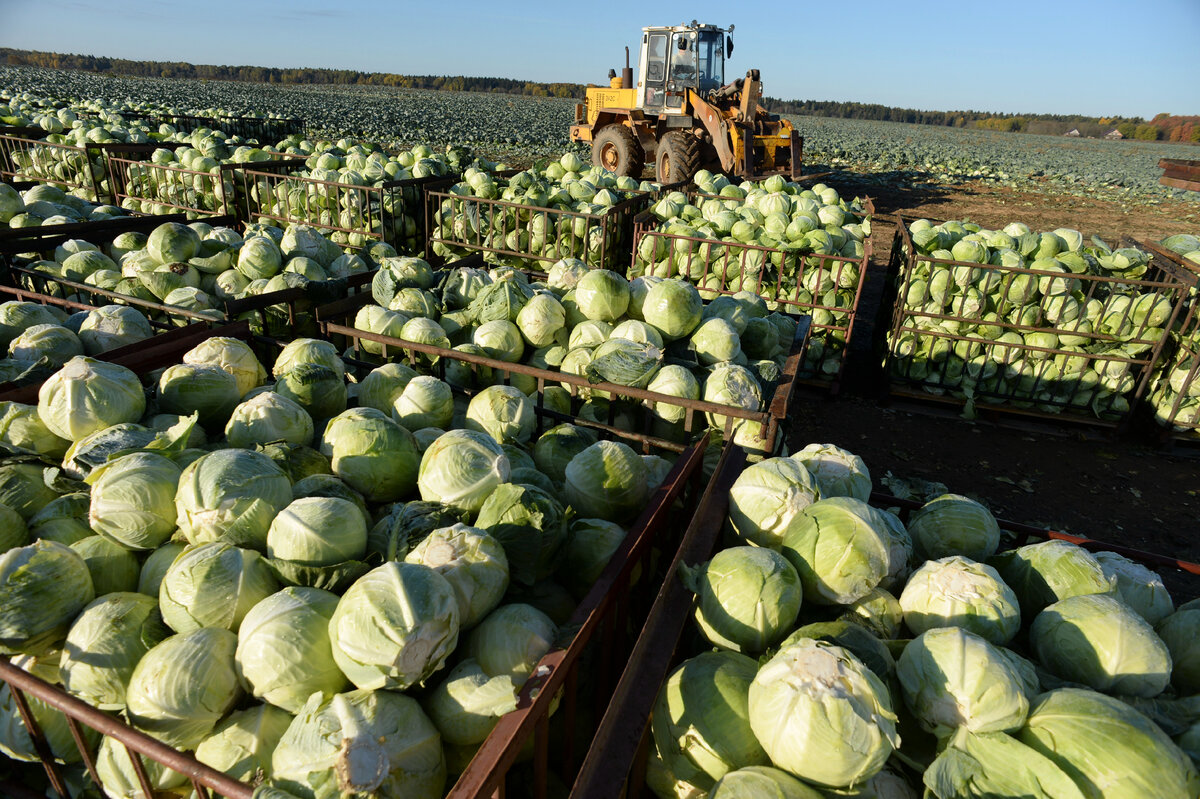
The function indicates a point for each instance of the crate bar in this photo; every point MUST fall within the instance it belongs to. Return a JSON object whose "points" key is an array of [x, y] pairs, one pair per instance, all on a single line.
{"points": [[617, 756], [1167, 282], [330, 317], [798, 299], [21, 682], [503, 218], [1180, 174], [17, 162], [486, 773], [619, 738], [294, 301]]}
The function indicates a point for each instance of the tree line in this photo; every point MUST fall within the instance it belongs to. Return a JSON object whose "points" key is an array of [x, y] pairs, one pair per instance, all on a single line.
{"points": [[1164, 127]]}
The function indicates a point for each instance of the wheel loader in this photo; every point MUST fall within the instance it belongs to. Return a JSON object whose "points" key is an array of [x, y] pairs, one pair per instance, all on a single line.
{"points": [[682, 116]]}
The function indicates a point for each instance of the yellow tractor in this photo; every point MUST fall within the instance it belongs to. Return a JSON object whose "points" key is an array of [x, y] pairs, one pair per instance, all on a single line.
{"points": [[682, 114]]}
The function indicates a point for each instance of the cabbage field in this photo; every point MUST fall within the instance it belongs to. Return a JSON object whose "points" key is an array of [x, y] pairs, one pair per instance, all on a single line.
{"points": [[513, 127]]}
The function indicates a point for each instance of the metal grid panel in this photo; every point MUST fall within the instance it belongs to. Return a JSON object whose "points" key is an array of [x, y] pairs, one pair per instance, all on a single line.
{"points": [[531, 234], [967, 354]]}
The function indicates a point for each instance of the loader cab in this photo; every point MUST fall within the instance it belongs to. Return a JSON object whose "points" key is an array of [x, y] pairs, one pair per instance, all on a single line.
{"points": [[677, 59]]}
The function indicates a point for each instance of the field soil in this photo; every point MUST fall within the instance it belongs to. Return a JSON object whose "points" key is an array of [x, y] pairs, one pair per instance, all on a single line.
{"points": [[1076, 479]]}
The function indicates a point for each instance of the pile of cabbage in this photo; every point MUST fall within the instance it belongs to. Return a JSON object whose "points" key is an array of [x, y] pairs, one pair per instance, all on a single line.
{"points": [[1175, 393], [38, 340], [1028, 328], [395, 213], [842, 652], [650, 333], [198, 267], [543, 219], [791, 229], [321, 584], [47, 204]]}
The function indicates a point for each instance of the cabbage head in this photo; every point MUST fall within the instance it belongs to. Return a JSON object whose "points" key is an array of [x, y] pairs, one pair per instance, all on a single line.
{"points": [[133, 500], [1043, 573], [372, 454], [231, 495], [241, 746], [958, 592], [88, 395], [267, 417], [104, 645], [954, 525], [182, 687], [530, 524], [1098, 641], [461, 469], [701, 721], [15, 740], [747, 598], [840, 549], [602, 294], [395, 626], [472, 561], [213, 585], [608, 480], [466, 705], [363, 743], [234, 356], [555, 448], [424, 402], [1137, 586], [511, 640], [284, 654], [43, 587], [503, 412], [766, 499], [22, 430], [838, 472], [822, 715], [1106, 747], [952, 679], [673, 307], [589, 547], [1181, 633]]}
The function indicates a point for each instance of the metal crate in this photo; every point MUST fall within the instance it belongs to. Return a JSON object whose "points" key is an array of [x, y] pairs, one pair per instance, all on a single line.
{"points": [[25, 158], [501, 229], [616, 763], [145, 187], [337, 323], [1174, 393], [349, 214], [783, 278], [1021, 380], [264, 130]]}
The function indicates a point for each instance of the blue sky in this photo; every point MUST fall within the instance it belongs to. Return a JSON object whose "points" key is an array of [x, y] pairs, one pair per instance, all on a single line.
{"points": [[1099, 57]]}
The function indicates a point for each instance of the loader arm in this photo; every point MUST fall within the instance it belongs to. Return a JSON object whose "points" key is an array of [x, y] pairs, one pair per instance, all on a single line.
{"points": [[717, 127]]}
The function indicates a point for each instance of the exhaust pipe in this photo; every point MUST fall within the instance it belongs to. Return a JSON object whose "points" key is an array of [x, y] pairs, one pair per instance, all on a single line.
{"points": [[627, 72]]}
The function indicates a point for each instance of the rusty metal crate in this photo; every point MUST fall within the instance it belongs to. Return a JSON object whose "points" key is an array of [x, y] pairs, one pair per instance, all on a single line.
{"points": [[1174, 394], [568, 685], [279, 314], [29, 158], [615, 764], [349, 214], [140, 185], [337, 324], [783, 278], [264, 130], [505, 231], [26, 391], [1016, 379]]}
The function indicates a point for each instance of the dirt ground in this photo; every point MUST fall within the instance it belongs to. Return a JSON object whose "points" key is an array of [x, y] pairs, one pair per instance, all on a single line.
{"points": [[1083, 481]]}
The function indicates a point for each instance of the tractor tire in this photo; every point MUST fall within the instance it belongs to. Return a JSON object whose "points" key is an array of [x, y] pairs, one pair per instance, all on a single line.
{"points": [[678, 157], [616, 149]]}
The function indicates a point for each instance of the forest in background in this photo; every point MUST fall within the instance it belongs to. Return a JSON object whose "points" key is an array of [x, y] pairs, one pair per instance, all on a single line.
{"points": [[1163, 127]]}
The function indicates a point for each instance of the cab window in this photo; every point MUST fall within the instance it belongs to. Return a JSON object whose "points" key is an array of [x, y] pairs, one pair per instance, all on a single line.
{"points": [[656, 58]]}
